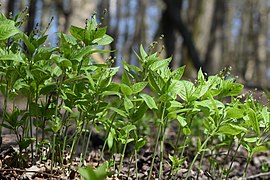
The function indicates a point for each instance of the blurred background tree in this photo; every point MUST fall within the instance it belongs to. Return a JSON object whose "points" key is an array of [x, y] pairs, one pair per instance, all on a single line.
{"points": [[211, 34]]}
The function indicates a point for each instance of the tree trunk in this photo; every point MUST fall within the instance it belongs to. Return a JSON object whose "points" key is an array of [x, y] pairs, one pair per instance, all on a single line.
{"points": [[213, 56], [262, 44]]}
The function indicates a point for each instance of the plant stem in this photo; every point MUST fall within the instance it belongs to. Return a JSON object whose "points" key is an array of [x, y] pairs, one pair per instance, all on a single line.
{"points": [[197, 154], [232, 160], [53, 152], [123, 155], [154, 155]]}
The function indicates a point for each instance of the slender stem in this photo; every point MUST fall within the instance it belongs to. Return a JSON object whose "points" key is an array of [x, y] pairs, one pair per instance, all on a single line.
{"points": [[53, 152], [155, 153], [107, 134], [123, 155], [234, 156], [136, 164], [246, 167], [197, 154], [161, 131], [87, 144]]}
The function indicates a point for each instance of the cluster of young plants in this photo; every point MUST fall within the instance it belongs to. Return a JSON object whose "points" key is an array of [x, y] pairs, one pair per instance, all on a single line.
{"points": [[65, 91]]}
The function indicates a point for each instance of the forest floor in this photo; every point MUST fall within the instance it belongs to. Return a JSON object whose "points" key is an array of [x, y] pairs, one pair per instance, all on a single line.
{"points": [[257, 169]]}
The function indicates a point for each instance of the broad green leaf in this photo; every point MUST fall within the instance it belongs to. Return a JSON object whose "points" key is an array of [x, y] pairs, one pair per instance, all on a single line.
{"points": [[101, 171], [11, 57], [128, 104], [125, 78], [201, 76], [105, 40], [186, 89], [265, 115], [110, 139], [254, 120], [118, 111], [186, 131], [126, 90], [81, 53], [234, 113], [29, 45], [140, 143], [178, 73], [231, 129], [143, 53], [251, 139], [140, 111], [182, 121], [128, 128], [77, 32], [149, 101], [87, 173], [259, 149], [138, 87], [235, 90], [7, 29], [160, 63]]}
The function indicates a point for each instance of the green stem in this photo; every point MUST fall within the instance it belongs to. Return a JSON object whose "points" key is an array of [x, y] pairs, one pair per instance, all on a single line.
{"points": [[107, 134], [197, 154], [87, 144], [136, 164], [53, 152], [234, 156], [123, 155], [155, 153], [161, 131]]}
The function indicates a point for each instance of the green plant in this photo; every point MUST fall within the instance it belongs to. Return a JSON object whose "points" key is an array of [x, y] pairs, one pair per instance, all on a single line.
{"points": [[66, 91]]}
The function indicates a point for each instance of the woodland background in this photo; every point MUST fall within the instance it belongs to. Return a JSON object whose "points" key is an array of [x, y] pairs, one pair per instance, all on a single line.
{"points": [[212, 34]]}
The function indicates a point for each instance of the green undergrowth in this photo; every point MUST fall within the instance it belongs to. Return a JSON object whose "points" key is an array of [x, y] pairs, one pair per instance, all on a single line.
{"points": [[64, 87]]}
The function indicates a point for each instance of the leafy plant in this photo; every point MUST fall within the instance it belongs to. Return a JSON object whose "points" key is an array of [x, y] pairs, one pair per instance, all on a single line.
{"points": [[69, 97]]}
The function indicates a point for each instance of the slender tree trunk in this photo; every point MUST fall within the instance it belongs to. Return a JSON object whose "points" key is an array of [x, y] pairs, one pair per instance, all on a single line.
{"points": [[262, 44], [32, 15], [213, 56]]}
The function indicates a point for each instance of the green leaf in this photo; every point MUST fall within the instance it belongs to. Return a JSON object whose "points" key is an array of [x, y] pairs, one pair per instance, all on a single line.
{"points": [[265, 115], [140, 143], [77, 32], [231, 129], [149, 101], [128, 104], [234, 113], [128, 128], [178, 73], [87, 173], [143, 53], [11, 57], [182, 121], [29, 45], [126, 90], [254, 120], [138, 87], [186, 90], [105, 40], [259, 149], [160, 63], [81, 53], [125, 78], [140, 111], [26, 142], [118, 111], [110, 139], [7, 29], [101, 171]]}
